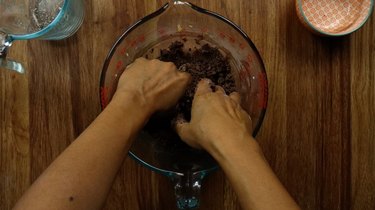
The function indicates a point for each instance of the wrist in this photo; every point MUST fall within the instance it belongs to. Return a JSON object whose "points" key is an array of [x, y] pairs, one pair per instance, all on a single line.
{"points": [[224, 149], [130, 105]]}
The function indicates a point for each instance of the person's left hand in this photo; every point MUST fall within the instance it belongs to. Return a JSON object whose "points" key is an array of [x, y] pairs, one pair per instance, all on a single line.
{"points": [[155, 85]]}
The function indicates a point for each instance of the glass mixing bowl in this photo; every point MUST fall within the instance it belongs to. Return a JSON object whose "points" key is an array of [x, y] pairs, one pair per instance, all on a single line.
{"points": [[36, 19], [179, 20]]}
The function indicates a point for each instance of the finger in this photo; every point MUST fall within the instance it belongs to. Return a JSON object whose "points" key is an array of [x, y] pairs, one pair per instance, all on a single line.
{"points": [[169, 65], [203, 87], [186, 77], [136, 62], [219, 89], [183, 74], [235, 97], [141, 59], [182, 128], [130, 65]]}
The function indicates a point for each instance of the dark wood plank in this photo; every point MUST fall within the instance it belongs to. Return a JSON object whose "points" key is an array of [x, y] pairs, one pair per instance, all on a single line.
{"points": [[362, 59], [14, 131]]}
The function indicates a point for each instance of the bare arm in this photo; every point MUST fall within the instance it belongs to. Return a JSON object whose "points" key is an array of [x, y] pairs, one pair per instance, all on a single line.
{"points": [[220, 126], [81, 177]]}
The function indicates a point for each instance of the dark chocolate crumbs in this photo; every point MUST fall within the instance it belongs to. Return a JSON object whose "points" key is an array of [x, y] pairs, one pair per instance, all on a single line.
{"points": [[205, 62]]}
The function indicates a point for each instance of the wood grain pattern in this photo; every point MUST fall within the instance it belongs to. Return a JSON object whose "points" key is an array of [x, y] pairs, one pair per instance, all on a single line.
{"points": [[14, 133], [362, 118], [318, 134]]}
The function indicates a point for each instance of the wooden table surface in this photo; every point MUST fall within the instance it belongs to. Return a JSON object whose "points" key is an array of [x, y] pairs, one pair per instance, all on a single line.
{"points": [[318, 134]]}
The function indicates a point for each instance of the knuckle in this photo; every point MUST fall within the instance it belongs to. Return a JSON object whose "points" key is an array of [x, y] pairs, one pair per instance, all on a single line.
{"points": [[140, 59], [154, 61], [185, 76], [170, 66]]}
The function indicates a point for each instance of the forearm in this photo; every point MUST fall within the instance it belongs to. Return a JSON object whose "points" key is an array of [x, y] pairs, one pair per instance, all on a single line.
{"points": [[251, 177], [81, 177]]}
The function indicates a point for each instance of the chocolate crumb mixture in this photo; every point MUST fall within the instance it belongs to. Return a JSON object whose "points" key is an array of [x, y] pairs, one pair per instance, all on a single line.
{"points": [[206, 62]]}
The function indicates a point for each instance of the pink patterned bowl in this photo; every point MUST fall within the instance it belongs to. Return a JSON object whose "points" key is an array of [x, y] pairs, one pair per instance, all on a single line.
{"points": [[334, 17]]}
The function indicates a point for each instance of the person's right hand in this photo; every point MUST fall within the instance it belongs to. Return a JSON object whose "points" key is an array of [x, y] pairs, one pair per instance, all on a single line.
{"points": [[217, 120], [157, 85]]}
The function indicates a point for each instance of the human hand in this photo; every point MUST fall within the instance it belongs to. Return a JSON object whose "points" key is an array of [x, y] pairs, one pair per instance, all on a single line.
{"points": [[217, 119], [155, 85], [220, 126]]}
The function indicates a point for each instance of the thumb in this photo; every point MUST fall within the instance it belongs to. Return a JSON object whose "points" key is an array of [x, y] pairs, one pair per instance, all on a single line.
{"points": [[182, 128]]}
